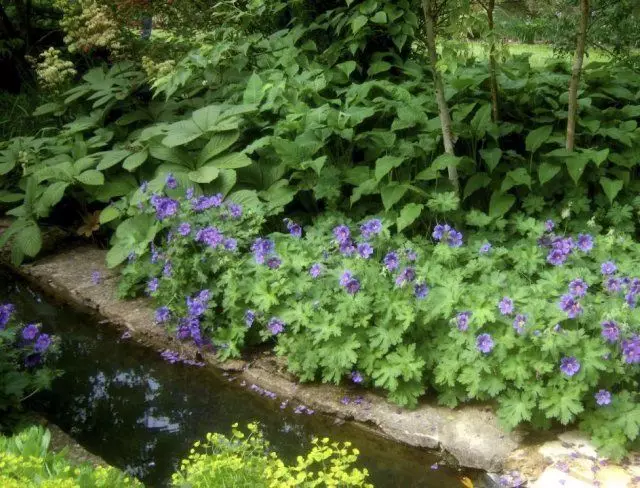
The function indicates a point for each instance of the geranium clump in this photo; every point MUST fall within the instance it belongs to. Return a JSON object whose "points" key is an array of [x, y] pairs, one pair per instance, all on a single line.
{"points": [[437, 314]]}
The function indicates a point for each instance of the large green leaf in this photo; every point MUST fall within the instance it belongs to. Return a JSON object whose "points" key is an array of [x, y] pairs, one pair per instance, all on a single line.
{"points": [[111, 158], [135, 160], [516, 177], [182, 133], [500, 204], [386, 164], [477, 181], [537, 137], [230, 161], [611, 187], [91, 177], [225, 181], [547, 171], [205, 174], [358, 23], [408, 215], [253, 93], [29, 239], [50, 197], [491, 157], [392, 193], [576, 165], [109, 214], [218, 143]]}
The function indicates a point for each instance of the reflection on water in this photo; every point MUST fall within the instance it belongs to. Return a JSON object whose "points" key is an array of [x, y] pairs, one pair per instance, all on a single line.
{"points": [[122, 402]]}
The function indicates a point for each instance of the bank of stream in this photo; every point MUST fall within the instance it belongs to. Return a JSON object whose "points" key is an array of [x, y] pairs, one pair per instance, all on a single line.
{"points": [[124, 403]]}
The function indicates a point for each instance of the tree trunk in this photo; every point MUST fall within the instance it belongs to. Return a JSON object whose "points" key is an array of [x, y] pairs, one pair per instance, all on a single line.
{"points": [[430, 17], [576, 71], [493, 65]]}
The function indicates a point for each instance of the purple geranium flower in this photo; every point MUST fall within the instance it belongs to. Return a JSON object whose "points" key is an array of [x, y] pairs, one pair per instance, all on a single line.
{"points": [[347, 247], [315, 270], [506, 306], [613, 284], [391, 261], [603, 397], [294, 229], [152, 285], [230, 244], [365, 250], [6, 311], [462, 320], [484, 343], [446, 233], [519, 323], [171, 182], [556, 257], [585, 242], [420, 290], [211, 236], [275, 325], [631, 350], [578, 288], [342, 233], [549, 225], [42, 343], [163, 314], [356, 377], [249, 317], [570, 305], [608, 268], [30, 332], [370, 228], [261, 249], [352, 286], [274, 262], [184, 229], [610, 330], [569, 365], [406, 275], [235, 210], [165, 207], [485, 248]]}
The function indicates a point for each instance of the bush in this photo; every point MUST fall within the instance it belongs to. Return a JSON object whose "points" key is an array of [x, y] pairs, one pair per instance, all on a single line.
{"points": [[244, 461], [26, 461], [23, 354]]}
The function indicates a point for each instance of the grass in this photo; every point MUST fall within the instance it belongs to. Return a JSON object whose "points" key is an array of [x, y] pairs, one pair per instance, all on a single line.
{"points": [[540, 53]]}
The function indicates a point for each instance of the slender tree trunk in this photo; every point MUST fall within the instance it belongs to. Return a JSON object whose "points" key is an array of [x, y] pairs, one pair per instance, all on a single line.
{"points": [[493, 65], [576, 71], [430, 16]]}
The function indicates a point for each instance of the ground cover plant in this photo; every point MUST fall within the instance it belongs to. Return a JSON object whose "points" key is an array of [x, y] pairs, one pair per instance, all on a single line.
{"points": [[349, 182], [544, 321], [26, 460], [241, 460]]}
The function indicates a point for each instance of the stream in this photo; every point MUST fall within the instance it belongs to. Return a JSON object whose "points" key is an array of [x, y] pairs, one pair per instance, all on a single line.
{"points": [[124, 403]]}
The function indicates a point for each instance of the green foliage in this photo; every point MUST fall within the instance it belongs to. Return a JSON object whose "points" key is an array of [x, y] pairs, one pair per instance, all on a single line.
{"points": [[27, 461], [400, 339], [243, 460], [23, 370]]}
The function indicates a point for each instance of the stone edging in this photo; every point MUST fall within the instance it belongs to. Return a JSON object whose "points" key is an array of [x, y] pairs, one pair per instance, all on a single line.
{"points": [[470, 434]]}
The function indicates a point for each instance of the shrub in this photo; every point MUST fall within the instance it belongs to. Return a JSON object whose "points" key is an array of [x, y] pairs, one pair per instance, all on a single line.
{"points": [[23, 354], [243, 460], [26, 461]]}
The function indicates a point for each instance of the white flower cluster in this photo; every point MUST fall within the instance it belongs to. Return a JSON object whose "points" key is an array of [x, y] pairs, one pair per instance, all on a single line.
{"points": [[52, 71], [155, 69], [89, 25]]}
